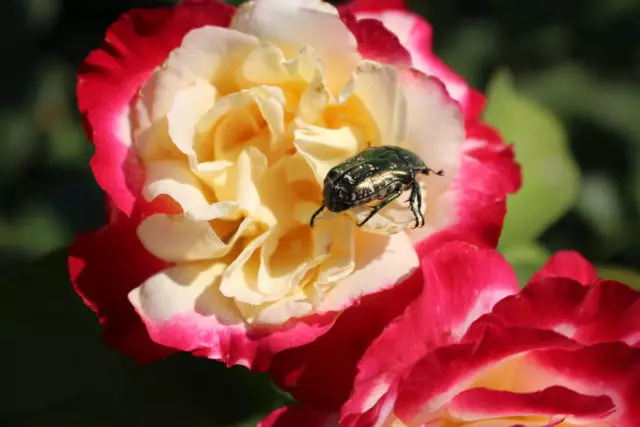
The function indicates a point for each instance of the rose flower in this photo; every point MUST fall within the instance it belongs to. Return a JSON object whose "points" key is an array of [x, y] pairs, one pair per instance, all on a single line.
{"points": [[214, 129], [473, 351]]}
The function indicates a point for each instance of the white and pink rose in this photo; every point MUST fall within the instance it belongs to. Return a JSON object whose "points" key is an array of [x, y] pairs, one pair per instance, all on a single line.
{"points": [[214, 127], [473, 351]]}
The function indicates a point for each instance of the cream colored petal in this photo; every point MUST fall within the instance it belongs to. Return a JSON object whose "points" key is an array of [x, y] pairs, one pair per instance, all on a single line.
{"points": [[264, 65], [189, 106], [294, 24], [325, 148], [380, 262], [342, 252], [435, 127], [212, 54], [240, 279], [251, 165], [236, 120], [178, 238], [377, 87], [435, 132], [174, 179], [283, 261], [182, 289], [208, 54], [284, 309]]}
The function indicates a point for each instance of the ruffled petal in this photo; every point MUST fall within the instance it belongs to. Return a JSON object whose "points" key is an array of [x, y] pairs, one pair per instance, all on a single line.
{"points": [[380, 262], [183, 308], [568, 264], [111, 76], [611, 369], [606, 311], [415, 35], [294, 24]]}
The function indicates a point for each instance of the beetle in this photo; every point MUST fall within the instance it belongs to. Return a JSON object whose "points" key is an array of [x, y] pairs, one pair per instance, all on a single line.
{"points": [[376, 173]]}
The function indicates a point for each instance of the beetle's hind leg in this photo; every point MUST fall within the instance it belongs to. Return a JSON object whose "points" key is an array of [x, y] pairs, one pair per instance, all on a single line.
{"points": [[416, 197], [313, 217], [390, 198]]}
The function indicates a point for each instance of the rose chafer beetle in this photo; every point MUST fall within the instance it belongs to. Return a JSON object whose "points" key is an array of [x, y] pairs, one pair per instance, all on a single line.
{"points": [[377, 173]]}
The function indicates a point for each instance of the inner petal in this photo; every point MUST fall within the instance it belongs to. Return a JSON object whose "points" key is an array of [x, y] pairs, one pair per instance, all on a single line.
{"points": [[294, 24], [481, 403]]}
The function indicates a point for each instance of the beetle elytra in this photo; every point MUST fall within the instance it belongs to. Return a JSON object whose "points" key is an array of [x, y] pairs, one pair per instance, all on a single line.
{"points": [[376, 173]]}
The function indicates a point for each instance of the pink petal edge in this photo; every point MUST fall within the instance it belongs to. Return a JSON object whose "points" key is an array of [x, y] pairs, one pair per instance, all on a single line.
{"points": [[569, 264], [111, 75], [237, 344]]}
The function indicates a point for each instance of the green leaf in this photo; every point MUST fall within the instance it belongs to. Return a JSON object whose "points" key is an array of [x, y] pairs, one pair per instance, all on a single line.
{"points": [[526, 259], [58, 372], [620, 274], [551, 178]]}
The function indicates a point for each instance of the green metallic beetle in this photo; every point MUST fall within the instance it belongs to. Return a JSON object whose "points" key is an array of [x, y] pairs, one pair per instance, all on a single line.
{"points": [[377, 173]]}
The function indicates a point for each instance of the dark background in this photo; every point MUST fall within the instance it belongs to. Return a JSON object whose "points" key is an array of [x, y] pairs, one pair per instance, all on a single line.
{"points": [[578, 59]]}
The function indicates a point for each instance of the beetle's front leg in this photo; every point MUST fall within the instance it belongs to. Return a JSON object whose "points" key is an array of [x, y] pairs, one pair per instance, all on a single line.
{"points": [[416, 197], [313, 217], [390, 198]]}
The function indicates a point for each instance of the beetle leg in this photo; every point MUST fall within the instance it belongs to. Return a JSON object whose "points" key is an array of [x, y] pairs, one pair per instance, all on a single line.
{"points": [[313, 217], [416, 196], [390, 198], [415, 190]]}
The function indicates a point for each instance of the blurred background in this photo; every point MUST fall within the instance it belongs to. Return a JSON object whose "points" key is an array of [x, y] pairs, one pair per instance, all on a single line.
{"points": [[564, 86]]}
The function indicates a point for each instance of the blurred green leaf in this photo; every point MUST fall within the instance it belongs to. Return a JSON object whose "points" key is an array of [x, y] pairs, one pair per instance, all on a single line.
{"points": [[601, 206], [575, 91], [550, 175], [526, 259], [620, 274], [58, 372]]}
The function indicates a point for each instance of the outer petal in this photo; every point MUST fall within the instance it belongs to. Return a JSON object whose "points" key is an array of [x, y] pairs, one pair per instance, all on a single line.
{"points": [[375, 41], [442, 374], [536, 366], [415, 35], [608, 368], [294, 24], [606, 311], [488, 173], [568, 264], [295, 416], [104, 288], [208, 332], [111, 76], [462, 282]]}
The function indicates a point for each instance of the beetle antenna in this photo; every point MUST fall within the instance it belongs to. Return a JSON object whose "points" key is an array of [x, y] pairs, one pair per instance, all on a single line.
{"points": [[427, 171], [313, 217]]}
